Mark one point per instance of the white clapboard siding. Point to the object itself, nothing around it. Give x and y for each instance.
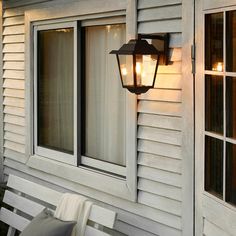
(160, 108)
(15, 102)
(13, 57)
(160, 121)
(162, 95)
(16, 120)
(168, 81)
(14, 47)
(160, 162)
(161, 13)
(17, 93)
(160, 189)
(164, 26)
(211, 229)
(144, 4)
(159, 135)
(19, 38)
(16, 65)
(19, 157)
(158, 148)
(14, 146)
(171, 68)
(14, 84)
(14, 111)
(14, 137)
(14, 74)
(17, 20)
(161, 176)
(11, 30)
(160, 202)
(14, 129)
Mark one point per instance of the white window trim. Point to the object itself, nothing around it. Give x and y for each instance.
(120, 187)
(46, 152)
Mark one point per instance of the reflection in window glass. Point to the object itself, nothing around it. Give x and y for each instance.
(231, 41)
(214, 42)
(214, 166)
(55, 89)
(214, 103)
(231, 173)
(231, 107)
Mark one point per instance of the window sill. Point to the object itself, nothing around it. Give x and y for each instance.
(88, 177)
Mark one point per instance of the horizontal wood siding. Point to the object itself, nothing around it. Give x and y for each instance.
(159, 207)
(160, 115)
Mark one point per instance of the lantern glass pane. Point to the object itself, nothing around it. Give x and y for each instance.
(145, 69)
(126, 69)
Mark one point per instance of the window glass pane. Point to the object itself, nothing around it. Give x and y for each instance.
(105, 97)
(55, 89)
(214, 166)
(231, 41)
(214, 103)
(231, 107)
(214, 41)
(231, 173)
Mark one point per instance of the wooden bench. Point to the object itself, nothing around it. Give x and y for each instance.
(30, 199)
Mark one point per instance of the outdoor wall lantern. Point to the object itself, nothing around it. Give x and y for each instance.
(138, 61)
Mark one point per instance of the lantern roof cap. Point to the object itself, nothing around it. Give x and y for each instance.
(136, 46)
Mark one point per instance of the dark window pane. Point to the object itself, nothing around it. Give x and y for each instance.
(214, 103)
(55, 89)
(214, 166)
(214, 41)
(231, 41)
(231, 107)
(231, 173)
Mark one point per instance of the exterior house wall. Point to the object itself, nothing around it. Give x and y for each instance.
(214, 217)
(160, 208)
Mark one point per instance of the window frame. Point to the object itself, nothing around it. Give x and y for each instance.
(42, 151)
(221, 137)
(112, 13)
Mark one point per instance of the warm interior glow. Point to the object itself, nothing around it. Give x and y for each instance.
(138, 68)
(124, 71)
(218, 67)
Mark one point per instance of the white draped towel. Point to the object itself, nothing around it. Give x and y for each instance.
(73, 207)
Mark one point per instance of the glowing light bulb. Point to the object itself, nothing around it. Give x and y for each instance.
(124, 71)
(219, 66)
(138, 68)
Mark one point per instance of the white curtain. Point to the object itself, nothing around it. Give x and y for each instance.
(55, 89)
(105, 97)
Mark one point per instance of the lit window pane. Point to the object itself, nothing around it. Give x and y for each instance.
(55, 89)
(231, 41)
(231, 173)
(214, 42)
(104, 97)
(231, 107)
(214, 166)
(214, 103)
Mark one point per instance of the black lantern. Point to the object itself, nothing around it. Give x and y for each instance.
(138, 62)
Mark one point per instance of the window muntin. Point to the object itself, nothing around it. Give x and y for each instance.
(220, 108)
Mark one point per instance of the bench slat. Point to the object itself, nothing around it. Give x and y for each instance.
(102, 216)
(23, 204)
(98, 214)
(34, 190)
(90, 231)
(13, 219)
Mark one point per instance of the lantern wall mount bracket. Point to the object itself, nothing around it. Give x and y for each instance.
(164, 50)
